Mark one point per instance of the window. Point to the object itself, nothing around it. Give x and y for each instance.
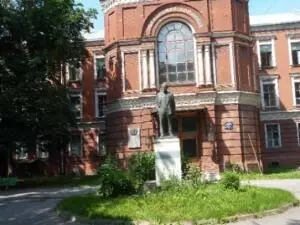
(76, 104)
(76, 145)
(43, 149)
(21, 151)
(295, 52)
(269, 92)
(296, 89)
(74, 73)
(273, 138)
(176, 53)
(266, 53)
(102, 144)
(100, 104)
(99, 68)
(298, 132)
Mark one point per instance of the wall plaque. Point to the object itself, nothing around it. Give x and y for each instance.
(134, 138)
(228, 126)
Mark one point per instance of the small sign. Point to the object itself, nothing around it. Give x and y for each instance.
(228, 126)
(134, 140)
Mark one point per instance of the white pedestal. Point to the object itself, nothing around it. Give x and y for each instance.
(167, 159)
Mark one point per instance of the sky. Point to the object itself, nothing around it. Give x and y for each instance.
(256, 7)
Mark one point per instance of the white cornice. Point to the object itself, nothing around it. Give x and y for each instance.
(279, 115)
(190, 101)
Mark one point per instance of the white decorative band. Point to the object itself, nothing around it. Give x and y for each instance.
(288, 115)
(108, 4)
(190, 101)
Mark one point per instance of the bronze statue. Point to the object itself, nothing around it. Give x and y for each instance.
(165, 105)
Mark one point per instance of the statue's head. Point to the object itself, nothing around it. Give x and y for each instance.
(164, 86)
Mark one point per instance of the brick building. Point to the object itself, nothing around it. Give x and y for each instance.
(206, 51)
(278, 54)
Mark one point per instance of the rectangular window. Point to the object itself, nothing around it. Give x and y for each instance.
(99, 68)
(296, 89)
(76, 104)
(76, 145)
(295, 51)
(269, 93)
(273, 137)
(266, 55)
(102, 144)
(100, 104)
(74, 73)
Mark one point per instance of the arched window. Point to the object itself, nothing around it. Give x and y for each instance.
(176, 53)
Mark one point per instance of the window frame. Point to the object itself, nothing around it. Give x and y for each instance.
(100, 92)
(79, 133)
(68, 73)
(279, 136)
(290, 41)
(295, 79)
(269, 80)
(101, 134)
(271, 42)
(195, 71)
(96, 56)
(81, 103)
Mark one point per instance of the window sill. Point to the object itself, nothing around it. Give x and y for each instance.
(275, 108)
(178, 84)
(295, 65)
(267, 67)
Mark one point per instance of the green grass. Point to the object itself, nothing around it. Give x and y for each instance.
(272, 174)
(191, 204)
(58, 181)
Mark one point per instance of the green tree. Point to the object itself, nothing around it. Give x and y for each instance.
(37, 39)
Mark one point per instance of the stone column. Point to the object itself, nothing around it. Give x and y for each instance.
(208, 79)
(152, 69)
(200, 74)
(145, 69)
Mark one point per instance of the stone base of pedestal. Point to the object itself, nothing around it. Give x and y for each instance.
(167, 159)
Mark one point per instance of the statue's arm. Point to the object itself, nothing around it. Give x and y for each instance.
(173, 105)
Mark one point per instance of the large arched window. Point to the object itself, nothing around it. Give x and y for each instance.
(176, 53)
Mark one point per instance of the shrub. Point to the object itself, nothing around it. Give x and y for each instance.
(113, 180)
(172, 184)
(193, 175)
(230, 181)
(232, 167)
(141, 167)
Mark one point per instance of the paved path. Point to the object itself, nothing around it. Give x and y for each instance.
(35, 206)
(290, 217)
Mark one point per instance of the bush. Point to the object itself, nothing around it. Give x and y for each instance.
(230, 181)
(232, 167)
(141, 167)
(113, 180)
(193, 175)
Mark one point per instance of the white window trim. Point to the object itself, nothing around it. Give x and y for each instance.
(290, 41)
(68, 73)
(81, 103)
(98, 147)
(267, 80)
(99, 92)
(263, 42)
(95, 64)
(81, 146)
(295, 79)
(266, 135)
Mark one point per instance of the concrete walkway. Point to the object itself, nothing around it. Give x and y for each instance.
(35, 206)
(290, 217)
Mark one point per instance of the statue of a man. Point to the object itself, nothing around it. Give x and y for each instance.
(165, 105)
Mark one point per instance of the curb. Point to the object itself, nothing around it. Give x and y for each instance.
(70, 217)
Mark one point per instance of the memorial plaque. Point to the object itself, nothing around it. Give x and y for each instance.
(134, 138)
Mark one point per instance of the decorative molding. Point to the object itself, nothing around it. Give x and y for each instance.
(183, 9)
(275, 27)
(191, 101)
(108, 4)
(279, 115)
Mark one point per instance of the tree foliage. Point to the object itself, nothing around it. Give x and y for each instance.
(37, 38)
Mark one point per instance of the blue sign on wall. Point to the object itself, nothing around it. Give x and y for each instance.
(228, 126)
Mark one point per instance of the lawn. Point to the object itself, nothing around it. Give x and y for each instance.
(58, 181)
(272, 174)
(190, 204)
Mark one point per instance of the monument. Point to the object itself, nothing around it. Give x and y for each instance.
(166, 147)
